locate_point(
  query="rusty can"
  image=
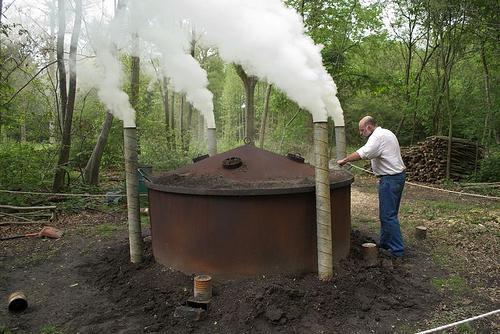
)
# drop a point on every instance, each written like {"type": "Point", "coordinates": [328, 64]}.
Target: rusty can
{"type": "Point", "coordinates": [203, 287]}
{"type": "Point", "coordinates": [17, 302]}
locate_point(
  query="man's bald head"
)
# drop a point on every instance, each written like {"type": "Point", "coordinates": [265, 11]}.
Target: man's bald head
{"type": "Point", "coordinates": [367, 125]}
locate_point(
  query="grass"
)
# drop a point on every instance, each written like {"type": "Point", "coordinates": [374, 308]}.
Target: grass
{"type": "Point", "coordinates": [145, 221]}
{"type": "Point", "coordinates": [106, 229]}
{"type": "Point", "coordinates": [4, 330]}
{"type": "Point", "coordinates": [38, 257]}
{"type": "Point", "coordinates": [50, 329]}
{"type": "Point", "coordinates": [455, 284]}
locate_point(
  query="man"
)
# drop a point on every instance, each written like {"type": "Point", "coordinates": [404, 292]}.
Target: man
{"type": "Point", "coordinates": [382, 148]}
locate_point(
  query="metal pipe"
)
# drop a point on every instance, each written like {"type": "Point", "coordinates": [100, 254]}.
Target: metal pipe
{"type": "Point", "coordinates": [132, 181]}
{"type": "Point", "coordinates": [212, 141]}
{"type": "Point", "coordinates": [323, 209]}
{"type": "Point", "coordinates": [340, 142]}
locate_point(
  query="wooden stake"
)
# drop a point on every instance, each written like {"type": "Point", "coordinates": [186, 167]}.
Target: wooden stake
{"type": "Point", "coordinates": [420, 232]}
{"type": "Point", "coordinates": [370, 253]}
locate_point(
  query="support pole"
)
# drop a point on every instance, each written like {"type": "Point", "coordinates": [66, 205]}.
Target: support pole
{"type": "Point", "coordinates": [340, 142]}
{"type": "Point", "coordinates": [212, 141]}
{"type": "Point", "coordinates": [131, 165]}
{"type": "Point", "coordinates": [323, 210]}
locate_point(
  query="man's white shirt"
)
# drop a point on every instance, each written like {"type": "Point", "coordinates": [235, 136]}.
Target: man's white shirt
{"type": "Point", "coordinates": [382, 148]}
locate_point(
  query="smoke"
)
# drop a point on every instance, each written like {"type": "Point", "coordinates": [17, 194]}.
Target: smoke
{"type": "Point", "coordinates": [264, 36]}
{"type": "Point", "coordinates": [108, 77]}
{"type": "Point", "coordinates": [268, 40]}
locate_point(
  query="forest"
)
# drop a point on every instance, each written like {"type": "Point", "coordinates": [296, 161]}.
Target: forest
{"type": "Point", "coordinates": [175, 166]}
{"type": "Point", "coordinates": [421, 68]}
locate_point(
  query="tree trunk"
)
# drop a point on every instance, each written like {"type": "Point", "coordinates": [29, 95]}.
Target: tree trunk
{"type": "Point", "coordinates": [448, 152]}
{"type": "Point", "coordinates": [323, 210]}
{"type": "Point", "coordinates": [91, 173]}
{"type": "Point", "coordinates": [172, 122]}
{"type": "Point", "coordinates": [131, 163]}
{"type": "Point", "coordinates": [2, 128]}
{"type": "Point", "coordinates": [70, 101]}
{"type": "Point", "coordinates": [264, 116]}
{"type": "Point", "coordinates": [489, 110]}
{"type": "Point", "coordinates": [181, 120]}
{"type": "Point", "coordinates": [61, 30]}
{"type": "Point", "coordinates": [167, 111]}
{"type": "Point", "coordinates": [249, 83]}
{"type": "Point", "coordinates": [23, 128]}
{"type": "Point", "coordinates": [189, 130]}
{"type": "Point", "coordinates": [51, 70]}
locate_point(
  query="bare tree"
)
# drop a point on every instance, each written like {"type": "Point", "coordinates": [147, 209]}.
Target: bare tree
{"type": "Point", "coordinates": [264, 116]}
{"type": "Point", "coordinates": [249, 82]}
{"type": "Point", "coordinates": [67, 97]}
{"type": "Point", "coordinates": [91, 172]}
{"type": "Point", "coordinates": [51, 71]}
{"type": "Point", "coordinates": [489, 105]}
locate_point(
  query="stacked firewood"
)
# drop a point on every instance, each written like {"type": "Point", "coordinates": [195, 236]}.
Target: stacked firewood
{"type": "Point", "coordinates": [426, 162]}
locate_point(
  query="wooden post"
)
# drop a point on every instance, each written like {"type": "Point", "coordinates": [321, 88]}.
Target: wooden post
{"type": "Point", "coordinates": [370, 252]}
{"type": "Point", "coordinates": [132, 180]}
{"type": "Point", "coordinates": [420, 232]}
{"type": "Point", "coordinates": [323, 210]}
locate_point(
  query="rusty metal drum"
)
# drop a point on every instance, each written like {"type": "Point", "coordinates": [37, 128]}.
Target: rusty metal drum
{"type": "Point", "coordinates": [258, 217]}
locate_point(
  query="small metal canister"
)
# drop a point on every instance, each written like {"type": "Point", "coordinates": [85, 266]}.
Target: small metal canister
{"type": "Point", "coordinates": [203, 287]}
{"type": "Point", "coordinates": [17, 302]}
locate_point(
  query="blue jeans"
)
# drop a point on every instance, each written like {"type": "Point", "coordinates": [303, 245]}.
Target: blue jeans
{"type": "Point", "coordinates": [390, 189]}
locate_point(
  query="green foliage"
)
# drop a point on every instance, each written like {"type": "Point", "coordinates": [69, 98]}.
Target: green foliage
{"type": "Point", "coordinates": [50, 329]}
{"type": "Point", "coordinates": [106, 230]}
{"type": "Point", "coordinates": [367, 63]}
{"type": "Point", "coordinates": [455, 284]}
{"type": "Point", "coordinates": [5, 330]}
{"type": "Point", "coordinates": [26, 165]}
{"type": "Point", "coordinates": [489, 169]}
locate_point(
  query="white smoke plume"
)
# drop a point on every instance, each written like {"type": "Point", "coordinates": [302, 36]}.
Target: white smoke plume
{"type": "Point", "coordinates": [264, 36]}
{"type": "Point", "coordinates": [268, 40]}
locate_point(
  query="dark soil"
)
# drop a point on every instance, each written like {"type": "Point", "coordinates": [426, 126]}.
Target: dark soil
{"type": "Point", "coordinates": [85, 283]}
{"type": "Point", "coordinates": [103, 292]}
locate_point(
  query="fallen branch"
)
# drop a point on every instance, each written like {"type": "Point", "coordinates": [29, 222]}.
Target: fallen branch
{"type": "Point", "coordinates": [24, 223]}
{"type": "Point", "coordinates": [14, 216]}
{"type": "Point", "coordinates": [11, 207]}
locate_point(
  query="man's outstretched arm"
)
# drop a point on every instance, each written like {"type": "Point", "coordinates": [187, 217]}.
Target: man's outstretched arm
{"type": "Point", "coordinates": [351, 157]}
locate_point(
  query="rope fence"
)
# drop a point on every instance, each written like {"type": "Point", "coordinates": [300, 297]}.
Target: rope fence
{"type": "Point", "coordinates": [433, 188]}
{"type": "Point", "coordinates": [63, 194]}
{"type": "Point", "coordinates": [437, 329]}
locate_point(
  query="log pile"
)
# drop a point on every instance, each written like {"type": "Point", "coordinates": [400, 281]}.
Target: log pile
{"type": "Point", "coordinates": [426, 161]}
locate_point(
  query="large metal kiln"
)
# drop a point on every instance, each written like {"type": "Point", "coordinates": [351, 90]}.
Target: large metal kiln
{"type": "Point", "coordinates": [256, 217]}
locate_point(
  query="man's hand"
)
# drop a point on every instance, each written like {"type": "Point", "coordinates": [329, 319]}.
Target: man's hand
{"type": "Point", "coordinates": [342, 162]}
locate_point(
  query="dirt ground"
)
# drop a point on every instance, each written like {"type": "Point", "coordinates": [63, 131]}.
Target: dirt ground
{"type": "Point", "coordinates": [84, 282]}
